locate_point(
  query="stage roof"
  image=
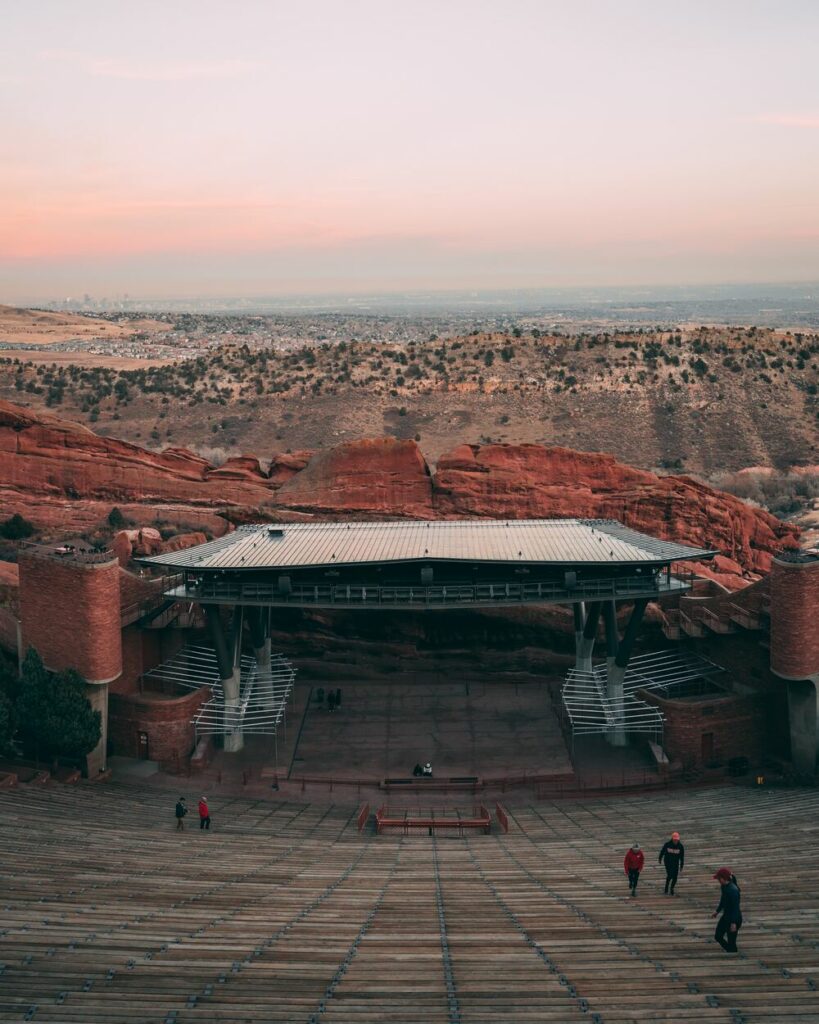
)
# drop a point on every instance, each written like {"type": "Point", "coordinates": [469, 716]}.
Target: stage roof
{"type": "Point", "coordinates": [562, 542]}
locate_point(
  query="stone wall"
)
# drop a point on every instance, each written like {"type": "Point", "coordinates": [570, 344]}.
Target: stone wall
{"type": "Point", "coordinates": [736, 725]}
{"type": "Point", "coordinates": [166, 721]}
{"type": "Point", "coordinates": [70, 612]}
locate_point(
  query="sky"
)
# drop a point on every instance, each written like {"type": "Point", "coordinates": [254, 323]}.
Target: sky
{"type": "Point", "coordinates": [202, 148]}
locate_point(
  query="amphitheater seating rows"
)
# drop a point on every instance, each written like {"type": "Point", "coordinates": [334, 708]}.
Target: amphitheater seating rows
{"type": "Point", "coordinates": [285, 912]}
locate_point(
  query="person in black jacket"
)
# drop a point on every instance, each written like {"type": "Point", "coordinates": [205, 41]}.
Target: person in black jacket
{"type": "Point", "coordinates": [181, 811]}
{"type": "Point", "coordinates": [673, 856]}
{"type": "Point", "coordinates": [731, 921]}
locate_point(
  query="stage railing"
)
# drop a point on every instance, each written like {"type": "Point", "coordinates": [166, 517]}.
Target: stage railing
{"type": "Point", "coordinates": [501, 593]}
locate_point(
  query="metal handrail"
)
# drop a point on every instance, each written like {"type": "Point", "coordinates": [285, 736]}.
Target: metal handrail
{"type": "Point", "coordinates": [440, 594]}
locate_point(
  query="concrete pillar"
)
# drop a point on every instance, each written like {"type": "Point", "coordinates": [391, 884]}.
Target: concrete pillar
{"type": "Point", "coordinates": [264, 683]}
{"type": "Point", "coordinates": [614, 691]}
{"type": "Point", "coordinates": [234, 740]}
{"type": "Point", "coordinates": [615, 674]}
{"type": "Point", "coordinates": [585, 648]}
{"type": "Point", "coordinates": [579, 613]}
{"type": "Point", "coordinates": [803, 713]}
{"type": "Point", "coordinates": [228, 658]}
{"type": "Point", "coordinates": [617, 654]}
{"type": "Point", "coordinates": [259, 622]}
{"type": "Point", "coordinates": [97, 760]}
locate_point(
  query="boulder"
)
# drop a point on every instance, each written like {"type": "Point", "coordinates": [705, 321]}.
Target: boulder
{"type": "Point", "coordinates": [286, 464]}
{"type": "Point", "coordinates": [183, 541]}
{"type": "Point", "coordinates": [128, 544]}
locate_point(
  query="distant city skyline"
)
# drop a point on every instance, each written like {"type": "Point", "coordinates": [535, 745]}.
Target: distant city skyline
{"type": "Point", "coordinates": [208, 149]}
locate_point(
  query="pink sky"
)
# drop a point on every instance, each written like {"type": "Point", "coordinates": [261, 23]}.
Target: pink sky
{"type": "Point", "coordinates": [170, 148]}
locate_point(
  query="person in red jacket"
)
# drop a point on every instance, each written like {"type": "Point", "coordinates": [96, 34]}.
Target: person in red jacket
{"type": "Point", "coordinates": [632, 865]}
{"type": "Point", "coordinates": [204, 813]}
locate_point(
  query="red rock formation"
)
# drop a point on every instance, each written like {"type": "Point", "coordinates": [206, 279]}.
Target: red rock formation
{"type": "Point", "coordinates": [130, 544]}
{"type": "Point", "coordinates": [63, 476]}
{"type": "Point", "coordinates": [182, 541]}
{"type": "Point", "coordinates": [516, 481]}
{"type": "Point", "coordinates": [243, 467]}
{"type": "Point", "coordinates": [384, 477]}
{"type": "Point", "coordinates": [286, 464]}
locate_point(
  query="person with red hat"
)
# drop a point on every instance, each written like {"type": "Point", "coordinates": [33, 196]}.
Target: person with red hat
{"type": "Point", "coordinates": [632, 865]}
{"type": "Point", "coordinates": [673, 856]}
{"type": "Point", "coordinates": [731, 921]}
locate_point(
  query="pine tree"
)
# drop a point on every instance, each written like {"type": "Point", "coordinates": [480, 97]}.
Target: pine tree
{"type": "Point", "coordinates": [8, 724]}
{"type": "Point", "coordinates": [54, 713]}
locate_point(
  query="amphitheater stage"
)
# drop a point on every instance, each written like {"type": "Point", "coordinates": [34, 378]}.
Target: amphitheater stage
{"type": "Point", "coordinates": [491, 730]}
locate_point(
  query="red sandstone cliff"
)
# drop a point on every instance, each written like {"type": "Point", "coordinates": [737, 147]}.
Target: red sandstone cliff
{"type": "Point", "coordinates": [384, 476]}
{"type": "Point", "coordinates": [64, 477]}
{"type": "Point", "coordinates": [513, 481]}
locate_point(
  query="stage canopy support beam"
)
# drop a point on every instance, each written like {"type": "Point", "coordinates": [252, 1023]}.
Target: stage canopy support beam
{"type": "Point", "coordinates": [228, 658]}
{"type": "Point", "coordinates": [584, 642]}
{"type": "Point", "coordinates": [617, 655]}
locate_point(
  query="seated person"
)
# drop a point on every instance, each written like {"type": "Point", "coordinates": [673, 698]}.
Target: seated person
{"type": "Point", "coordinates": [417, 770]}
{"type": "Point", "coordinates": [427, 769]}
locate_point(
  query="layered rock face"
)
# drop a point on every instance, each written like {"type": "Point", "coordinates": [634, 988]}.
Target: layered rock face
{"type": "Point", "coordinates": [64, 477]}
{"type": "Point", "coordinates": [513, 481]}
{"type": "Point", "coordinates": [382, 476]}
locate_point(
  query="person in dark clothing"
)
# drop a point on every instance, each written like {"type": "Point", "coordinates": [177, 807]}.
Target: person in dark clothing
{"type": "Point", "coordinates": [181, 811]}
{"type": "Point", "coordinates": [417, 771]}
{"type": "Point", "coordinates": [338, 697]}
{"type": "Point", "coordinates": [204, 814]}
{"type": "Point", "coordinates": [632, 865]}
{"type": "Point", "coordinates": [729, 924]}
{"type": "Point", "coordinates": [672, 856]}
{"type": "Point", "coordinates": [331, 701]}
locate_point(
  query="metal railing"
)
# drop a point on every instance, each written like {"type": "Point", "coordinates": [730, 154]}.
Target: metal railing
{"type": "Point", "coordinates": [137, 609]}
{"type": "Point", "coordinates": [429, 596]}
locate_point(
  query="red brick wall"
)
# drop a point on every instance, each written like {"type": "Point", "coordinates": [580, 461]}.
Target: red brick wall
{"type": "Point", "coordinates": [167, 721]}
{"type": "Point", "coordinates": [736, 723]}
{"type": "Point", "coordinates": [794, 618]}
{"type": "Point", "coordinates": [70, 613]}
{"type": "Point", "coordinates": [144, 649]}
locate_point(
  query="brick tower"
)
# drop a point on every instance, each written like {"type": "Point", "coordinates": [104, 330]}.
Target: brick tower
{"type": "Point", "coordinates": [70, 613]}
{"type": "Point", "coordinates": [795, 648]}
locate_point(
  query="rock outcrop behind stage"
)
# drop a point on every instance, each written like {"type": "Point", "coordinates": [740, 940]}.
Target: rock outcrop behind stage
{"type": "Point", "coordinates": [66, 479]}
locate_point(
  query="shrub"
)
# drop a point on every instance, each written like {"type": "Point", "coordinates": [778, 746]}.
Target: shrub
{"type": "Point", "coordinates": [16, 528]}
{"type": "Point", "coordinates": [116, 520]}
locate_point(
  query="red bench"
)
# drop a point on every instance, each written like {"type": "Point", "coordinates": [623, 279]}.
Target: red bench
{"type": "Point", "coordinates": [407, 820]}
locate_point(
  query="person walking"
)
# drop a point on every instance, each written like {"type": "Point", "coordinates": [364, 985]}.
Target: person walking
{"type": "Point", "coordinates": [181, 811]}
{"type": "Point", "coordinates": [632, 865]}
{"type": "Point", "coordinates": [729, 924]}
{"type": "Point", "coordinates": [204, 813]}
{"type": "Point", "coordinates": [673, 856]}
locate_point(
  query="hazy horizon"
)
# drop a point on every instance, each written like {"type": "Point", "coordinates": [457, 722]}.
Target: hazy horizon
{"type": "Point", "coordinates": [197, 149]}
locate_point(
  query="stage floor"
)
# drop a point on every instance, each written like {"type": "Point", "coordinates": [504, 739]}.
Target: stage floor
{"type": "Point", "coordinates": [382, 730]}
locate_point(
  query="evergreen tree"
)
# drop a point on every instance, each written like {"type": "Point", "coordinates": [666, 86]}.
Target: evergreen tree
{"type": "Point", "coordinates": [54, 713]}
{"type": "Point", "coordinates": [8, 724]}
{"type": "Point", "coordinates": [116, 520]}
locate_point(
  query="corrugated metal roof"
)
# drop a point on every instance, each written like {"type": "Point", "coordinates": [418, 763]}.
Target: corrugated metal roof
{"type": "Point", "coordinates": [545, 541]}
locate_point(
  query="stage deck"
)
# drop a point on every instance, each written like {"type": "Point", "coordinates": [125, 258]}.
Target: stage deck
{"type": "Point", "coordinates": [382, 730]}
